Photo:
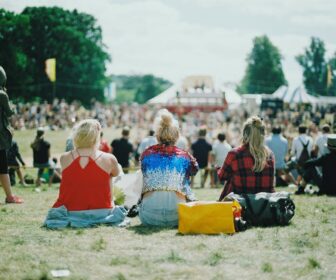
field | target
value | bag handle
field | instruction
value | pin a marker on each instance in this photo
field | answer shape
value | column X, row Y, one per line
column 249, row 206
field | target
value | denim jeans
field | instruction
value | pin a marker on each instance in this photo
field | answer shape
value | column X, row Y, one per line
column 160, row 209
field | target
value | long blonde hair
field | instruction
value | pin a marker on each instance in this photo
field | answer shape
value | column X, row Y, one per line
column 166, row 128
column 253, row 136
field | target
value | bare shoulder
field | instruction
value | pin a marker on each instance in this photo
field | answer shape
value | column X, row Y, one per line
column 66, row 160
column 107, row 161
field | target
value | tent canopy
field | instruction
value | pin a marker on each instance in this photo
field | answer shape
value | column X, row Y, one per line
column 231, row 96
column 299, row 95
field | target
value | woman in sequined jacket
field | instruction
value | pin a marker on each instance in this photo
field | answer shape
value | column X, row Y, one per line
column 166, row 175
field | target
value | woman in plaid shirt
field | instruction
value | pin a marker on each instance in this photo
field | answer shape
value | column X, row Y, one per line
column 249, row 168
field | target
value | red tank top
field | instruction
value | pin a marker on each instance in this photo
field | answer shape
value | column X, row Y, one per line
column 84, row 188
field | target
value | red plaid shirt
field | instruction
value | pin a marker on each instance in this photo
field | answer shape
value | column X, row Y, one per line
column 237, row 170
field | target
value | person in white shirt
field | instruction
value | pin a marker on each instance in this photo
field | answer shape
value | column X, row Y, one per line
column 297, row 148
column 321, row 142
column 148, row 141
column 182, row 143
column 299, row 141
column 220, row 149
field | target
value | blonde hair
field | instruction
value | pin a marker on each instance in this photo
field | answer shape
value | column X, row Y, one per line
column 166, row 128
column 86, row 134
column 253, row 136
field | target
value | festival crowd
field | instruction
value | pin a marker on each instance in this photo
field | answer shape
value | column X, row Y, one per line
column 242, row 154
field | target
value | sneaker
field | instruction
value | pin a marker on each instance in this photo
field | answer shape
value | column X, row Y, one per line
column 14, row 199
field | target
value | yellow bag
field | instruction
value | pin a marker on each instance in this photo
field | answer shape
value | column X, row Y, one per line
column 208, row 217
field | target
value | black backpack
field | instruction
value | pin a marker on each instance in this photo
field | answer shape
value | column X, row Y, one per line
column 265, row 209
column 304, row 154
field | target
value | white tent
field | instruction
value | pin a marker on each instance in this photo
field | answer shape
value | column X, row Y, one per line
column 280, row 92
column 164, row 97
column 299, row 95
column 231, row 96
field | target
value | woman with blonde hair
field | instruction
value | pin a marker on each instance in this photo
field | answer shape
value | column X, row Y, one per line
column 249, row 168
column 85, row 196
column 166, row 174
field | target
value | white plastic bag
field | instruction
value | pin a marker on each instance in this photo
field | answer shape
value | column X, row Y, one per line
column 131, row 185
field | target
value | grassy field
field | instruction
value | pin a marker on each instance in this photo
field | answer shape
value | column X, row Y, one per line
column 303, row 250
column 306, row 249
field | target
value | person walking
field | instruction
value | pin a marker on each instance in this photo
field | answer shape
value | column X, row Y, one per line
column 201, row 150
column 5, row 140
column 14, row 159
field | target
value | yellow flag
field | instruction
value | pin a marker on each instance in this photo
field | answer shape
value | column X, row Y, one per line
column 50, row 68
column 329, row 76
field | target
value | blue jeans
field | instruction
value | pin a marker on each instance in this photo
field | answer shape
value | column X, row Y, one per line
column 160, row 209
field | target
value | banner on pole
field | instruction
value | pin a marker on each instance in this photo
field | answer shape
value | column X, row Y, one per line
column 50, row 68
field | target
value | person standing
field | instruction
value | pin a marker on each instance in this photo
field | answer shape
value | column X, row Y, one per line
column 41, row 155
column 302, row 147
column 13, row 159
column 5, row 140
column 220, row 149
column 279, row 146
column 148, row 141
column 201, row 149
column 122, row 149
column 321, row 142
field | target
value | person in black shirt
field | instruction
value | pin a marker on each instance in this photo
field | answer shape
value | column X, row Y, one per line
column 41, row 155
column 122, row 149
column 201, row 151
column 326, row 183
column 14, row 159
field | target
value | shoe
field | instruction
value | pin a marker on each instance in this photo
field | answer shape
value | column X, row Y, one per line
column 14, row 199
column 300, row 190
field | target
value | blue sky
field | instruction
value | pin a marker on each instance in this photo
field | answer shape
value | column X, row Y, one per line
column 176, row 38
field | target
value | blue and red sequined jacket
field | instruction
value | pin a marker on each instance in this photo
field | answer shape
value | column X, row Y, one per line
column 167, row 168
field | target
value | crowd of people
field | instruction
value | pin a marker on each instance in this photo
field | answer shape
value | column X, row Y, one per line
column 240, row 153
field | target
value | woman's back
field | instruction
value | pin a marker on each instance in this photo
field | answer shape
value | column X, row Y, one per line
column 85, row 181
column 167, row 168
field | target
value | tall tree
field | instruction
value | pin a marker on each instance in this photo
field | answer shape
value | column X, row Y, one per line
column 75, row 40
column 264, row 72
column 13, row 29
column 314, row 67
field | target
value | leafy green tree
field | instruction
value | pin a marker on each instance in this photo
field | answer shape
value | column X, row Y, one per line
column 138, row 88
column 13, row 30
column 314, row 67
column 75, row 40
column 264, row 72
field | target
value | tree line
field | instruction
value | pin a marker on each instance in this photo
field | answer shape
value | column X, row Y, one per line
column 264, row 73
column 38, row 33
column 75, row 40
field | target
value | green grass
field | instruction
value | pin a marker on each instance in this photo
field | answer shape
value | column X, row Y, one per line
column 303, row 250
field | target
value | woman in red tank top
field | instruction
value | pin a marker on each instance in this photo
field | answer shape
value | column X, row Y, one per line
column 85, row 196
